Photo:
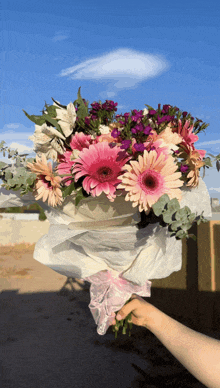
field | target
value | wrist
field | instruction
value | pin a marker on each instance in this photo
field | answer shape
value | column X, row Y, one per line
column 157, row 321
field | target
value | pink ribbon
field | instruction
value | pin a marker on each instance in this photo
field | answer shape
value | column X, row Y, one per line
column 109, row 294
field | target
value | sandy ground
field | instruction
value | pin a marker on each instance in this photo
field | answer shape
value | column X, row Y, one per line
column 49, row 338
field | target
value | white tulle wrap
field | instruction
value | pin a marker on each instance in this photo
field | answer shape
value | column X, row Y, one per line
column 98, row 236
column 101, row 235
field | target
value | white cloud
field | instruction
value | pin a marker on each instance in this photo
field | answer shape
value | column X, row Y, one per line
column 208, row 142
column 215, row 189
column 60, row 35
column 13, row 125
column 124, row 67
column 21, row 148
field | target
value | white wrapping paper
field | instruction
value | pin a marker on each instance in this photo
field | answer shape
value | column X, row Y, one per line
column 100, row 235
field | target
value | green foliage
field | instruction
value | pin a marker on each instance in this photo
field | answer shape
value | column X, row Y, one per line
column 179, row 220
column 68, row 190
column 82, row 111
column 79, row 196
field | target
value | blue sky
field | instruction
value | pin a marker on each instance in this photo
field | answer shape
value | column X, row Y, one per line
column 134, row 53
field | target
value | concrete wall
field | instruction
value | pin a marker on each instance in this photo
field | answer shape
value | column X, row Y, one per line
column 17, row 231
column 20, row 216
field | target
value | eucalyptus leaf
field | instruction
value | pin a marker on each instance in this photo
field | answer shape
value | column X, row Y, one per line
column 2, row 165
column 158, row 207
column 191, row 217
column 181, row 214
column 2, row 144
column 192, row 236
column 175, row 225
column 187, row 226
column 8, row 174
column 181, row 234
column 173, row 205
column 167, row 217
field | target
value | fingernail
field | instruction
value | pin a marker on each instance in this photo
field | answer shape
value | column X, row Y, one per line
column 118, row 317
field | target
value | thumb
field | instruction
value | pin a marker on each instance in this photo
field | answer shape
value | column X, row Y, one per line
column 126, row 309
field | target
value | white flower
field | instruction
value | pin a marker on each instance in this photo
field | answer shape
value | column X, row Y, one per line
column 66, row 118
column 145, row 111
column 104, row 129
column 74, row 154
column 48, row 141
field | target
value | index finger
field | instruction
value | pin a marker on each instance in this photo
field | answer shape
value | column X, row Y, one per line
column 126, row 309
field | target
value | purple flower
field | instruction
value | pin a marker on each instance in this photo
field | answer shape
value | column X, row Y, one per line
column 125, row 144
column 139, row 127
column 184, row 168
column 87, row 120
column 96, row 106
column 147, row 130
column 137, row 115
column 109, row 106
column 165, row 109
column 134, row 131
column 152, row 112
column 115, row 133
column 139, row 147
column 184, row 114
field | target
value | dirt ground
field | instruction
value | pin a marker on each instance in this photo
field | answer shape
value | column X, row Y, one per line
column 49, row 338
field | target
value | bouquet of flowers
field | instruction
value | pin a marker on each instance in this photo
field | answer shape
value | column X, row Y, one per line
column 115, row 167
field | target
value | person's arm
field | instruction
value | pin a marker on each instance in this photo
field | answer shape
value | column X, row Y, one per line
column 198, row 353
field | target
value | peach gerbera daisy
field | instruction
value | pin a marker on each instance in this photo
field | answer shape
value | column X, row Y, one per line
column 147, row 179
column 101, row 165
column 47, row 185
column 192, row 158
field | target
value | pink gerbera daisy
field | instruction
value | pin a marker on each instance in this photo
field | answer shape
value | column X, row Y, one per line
column 147, row 179
column 101, row 165
column 78, row 142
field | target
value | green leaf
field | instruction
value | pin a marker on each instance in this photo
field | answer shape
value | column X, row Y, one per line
column 181, row 214
column 2, row 143
column 8, row 174
column 208, row 162
column 51, row 110
column 56, row 102
column 186, row 226
column 82, row 111
column 68, row 190
column 158, row 207
column 191, row 217
column 175, row 225
column 39, row 120
column 181, row 234
column 167, row 217
column 192, row 236
column 53, row 122
column 79, row 196
column 2, row 165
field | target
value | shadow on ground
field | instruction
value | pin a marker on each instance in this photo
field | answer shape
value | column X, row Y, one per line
column 49, row 340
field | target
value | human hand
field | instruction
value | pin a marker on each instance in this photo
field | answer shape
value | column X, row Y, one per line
column 142, row 312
